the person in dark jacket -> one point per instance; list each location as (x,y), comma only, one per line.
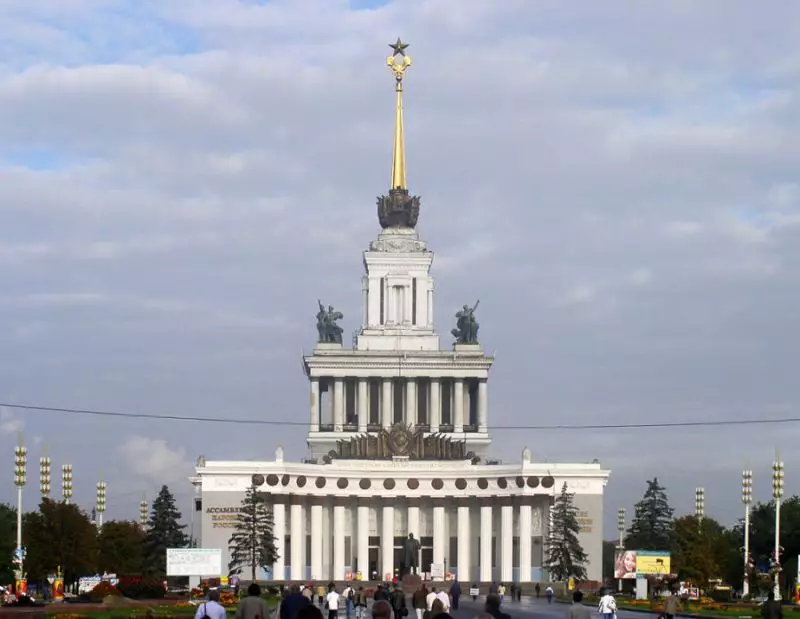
(771,609)
(380,594)
(493,607)
(293,603)
(455,594)
(397,599)
(419,601)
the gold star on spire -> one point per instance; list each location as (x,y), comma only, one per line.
(399,47)
(398,68)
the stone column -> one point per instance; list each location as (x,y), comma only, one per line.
(439,540)
(386,403)
(525,560)
(279,531)
(435,408)
(338,542)
(387,541)
(316,542)
(413,520)
(430,305)
(506,542)
(314,404)
(486,544)
(338,404)
(363,405)
(298,559)
(458,405)
(324,535)
(463,558)
(483,425)
(362,534)
(411,401)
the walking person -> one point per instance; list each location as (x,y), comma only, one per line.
(347,594)
(455,594)
(419,601)
(771,609)
(252,606)
(332,602)
(398,601)
(493,607)
(671,605)
(607,606)
(501,591)
(212,608)
(577,610)
(548,593)
(360,603)
(537,589)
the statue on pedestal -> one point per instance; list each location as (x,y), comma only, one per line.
(466,331)
(411,548)
(329,332)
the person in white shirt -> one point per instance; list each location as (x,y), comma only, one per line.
(431,598)
(332,602)
(212,608)
(445,599)
(607,606)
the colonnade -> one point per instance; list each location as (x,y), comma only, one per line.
(459,406)
(298,517)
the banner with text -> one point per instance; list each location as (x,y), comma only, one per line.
(653,562)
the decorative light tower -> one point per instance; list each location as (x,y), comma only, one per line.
(777,494)
(44,476)
(747,499)
(66,482)
(20,479)
(101,502)
(143,512)
(699,505)
(621,529)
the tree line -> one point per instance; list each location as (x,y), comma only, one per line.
(702,548)
(60,534)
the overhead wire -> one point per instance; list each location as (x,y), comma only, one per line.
(286,422)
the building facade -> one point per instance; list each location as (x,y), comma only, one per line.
(399,440)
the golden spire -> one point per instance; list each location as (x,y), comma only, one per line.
(398,68)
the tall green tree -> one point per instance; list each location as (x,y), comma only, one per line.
(609,552)
(59,535)
(252,543)
(121,548)
(565,555)
(652,527)
(8,541)
(163,531)
(700,550)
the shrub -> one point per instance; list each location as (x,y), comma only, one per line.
(720,595)
(147,587)
(101,590)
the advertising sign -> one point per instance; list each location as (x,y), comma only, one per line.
(653,562)
(625,564)
(194,562)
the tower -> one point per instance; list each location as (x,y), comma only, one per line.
(396,372)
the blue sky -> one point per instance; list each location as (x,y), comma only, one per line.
(182,179)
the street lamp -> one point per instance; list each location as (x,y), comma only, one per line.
(66,482)
(621,529)
(777,494)
(747,499)
(44,476)
(143,512)
(101,502)
(20,479)
(699,504)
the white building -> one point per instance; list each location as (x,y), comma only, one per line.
(399,442)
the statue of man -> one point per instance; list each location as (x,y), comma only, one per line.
(411,555)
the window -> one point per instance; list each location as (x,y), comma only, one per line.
(375,402)
(414,301)
(383,300)
(423,384)
(398,399)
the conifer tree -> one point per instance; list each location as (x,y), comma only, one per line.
(252,543)
(163,531)
(565,555)
(652,525)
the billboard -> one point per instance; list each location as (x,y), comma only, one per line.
(656,562)
(625,564)
(194,562)
(630,563)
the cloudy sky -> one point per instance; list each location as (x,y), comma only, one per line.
(180,180)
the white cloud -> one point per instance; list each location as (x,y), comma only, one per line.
(10,422)
(154,460)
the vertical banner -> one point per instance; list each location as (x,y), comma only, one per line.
(21,587)
(58,588)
